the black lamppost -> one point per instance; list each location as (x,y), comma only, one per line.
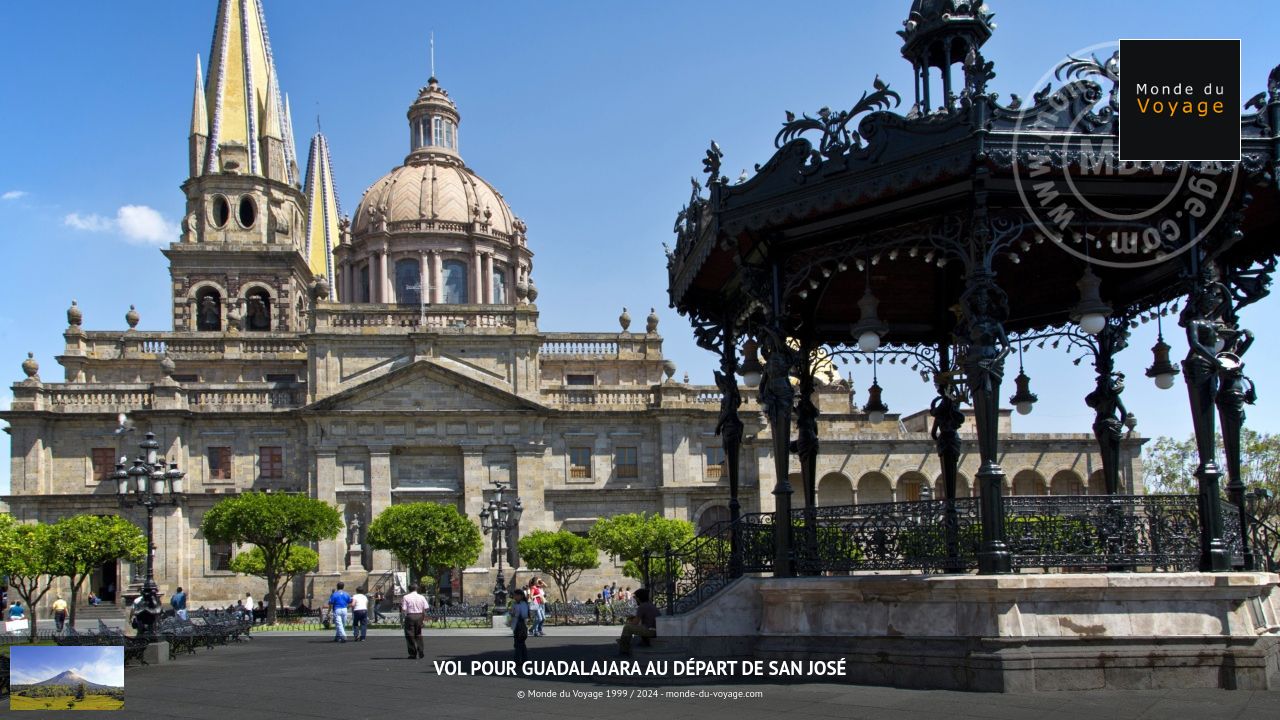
(499,518)
(148,484)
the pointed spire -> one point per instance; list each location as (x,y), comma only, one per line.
(199,117)
(290,147)
(242,97)
(322,211)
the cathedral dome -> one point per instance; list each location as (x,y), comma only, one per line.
(433,193)
(431,231)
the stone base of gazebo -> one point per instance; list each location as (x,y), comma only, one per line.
(1007,633)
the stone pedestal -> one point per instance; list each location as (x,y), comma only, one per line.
(156,653)
(1008,633)
(355,559)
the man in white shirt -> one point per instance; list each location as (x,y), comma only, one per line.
(359,615)
(246,606)
(413,609)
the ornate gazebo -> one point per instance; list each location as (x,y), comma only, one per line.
(952,237)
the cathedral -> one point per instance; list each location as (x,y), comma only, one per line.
(394,356)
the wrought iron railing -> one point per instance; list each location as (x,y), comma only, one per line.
(919,535)
(1264,543)
(688,575)
(1078,533)
(1083,532)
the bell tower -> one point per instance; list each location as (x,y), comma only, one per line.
(241,262)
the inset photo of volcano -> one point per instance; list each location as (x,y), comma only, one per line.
(64,677)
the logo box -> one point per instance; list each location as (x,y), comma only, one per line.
(1180,100)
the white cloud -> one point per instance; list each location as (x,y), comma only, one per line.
(91,223)
(137,224)
(13,195)
(105,669)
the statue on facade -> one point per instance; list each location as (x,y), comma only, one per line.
(353,534)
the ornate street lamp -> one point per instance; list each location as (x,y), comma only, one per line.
(1092,311)
(499,518)
(148,484)
(869,328)
(875,407)
(1161,370)
(1023,399)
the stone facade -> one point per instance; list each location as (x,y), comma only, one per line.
(402,361)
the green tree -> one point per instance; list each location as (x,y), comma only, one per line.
(28,556)
(84,542)
(299,560)
(80,692)
(426,537)
(631,536)
(276,523)
(562,555)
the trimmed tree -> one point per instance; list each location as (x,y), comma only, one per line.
(276,523)
(562,555)
(28,555)
(426,537)
(85,542)
(629,537)
(299,560)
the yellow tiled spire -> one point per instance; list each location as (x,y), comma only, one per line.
(242,97)
(322,211)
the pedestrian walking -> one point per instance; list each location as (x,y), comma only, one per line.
(413,608)
(246,607)
(359,615)
(378,599)
(179,603)
(59,613)
(339,601)
(537,605)
(518,618)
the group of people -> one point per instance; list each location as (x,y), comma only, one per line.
(344,605)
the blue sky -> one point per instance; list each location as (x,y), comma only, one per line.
(33,664)
(588,117)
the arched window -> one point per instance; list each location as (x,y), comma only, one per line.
(437,130)
(835,489)
(711,517)
(909,486)
(257,314)
(408,282)
(499,285)
(454,278)
(450,140)
(362,282)
(208,310)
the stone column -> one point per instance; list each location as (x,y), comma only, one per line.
(477,582)
(437,272)
(477,292)
(333,550)
(424,278)
(379,497)
(488,278)
(384,284)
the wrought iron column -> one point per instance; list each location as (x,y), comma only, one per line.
(806,449)
(947,419)
(1109,412)
(1234,391)
(777,396)
(985,305)
(729,428)
(1200,369)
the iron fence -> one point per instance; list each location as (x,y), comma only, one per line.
(1145,533)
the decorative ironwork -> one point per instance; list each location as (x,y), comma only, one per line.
(690,574)
(837,138)
(890,536)
(1147,532)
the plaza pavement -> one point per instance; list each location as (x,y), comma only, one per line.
(306,675)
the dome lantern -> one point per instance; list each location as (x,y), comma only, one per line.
(433,122)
